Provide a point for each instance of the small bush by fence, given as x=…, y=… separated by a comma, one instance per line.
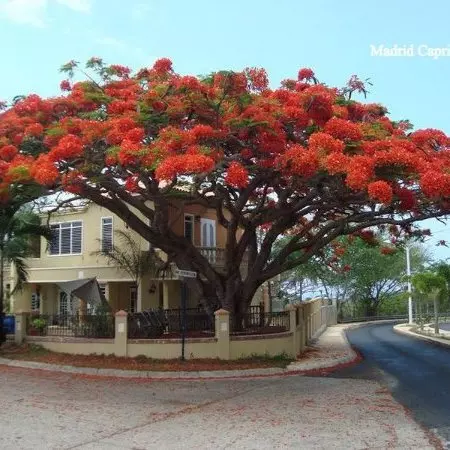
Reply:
x=86, y=326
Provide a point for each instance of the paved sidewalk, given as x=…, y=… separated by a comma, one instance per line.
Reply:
x=331, y=350
x=426, y=335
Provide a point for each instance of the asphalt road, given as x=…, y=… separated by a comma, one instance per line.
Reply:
x=416, y=372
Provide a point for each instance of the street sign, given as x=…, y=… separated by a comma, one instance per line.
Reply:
x=185, y=273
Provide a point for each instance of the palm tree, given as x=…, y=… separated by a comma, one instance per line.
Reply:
x=18, y=227
x=130, y=257
x=431, y=285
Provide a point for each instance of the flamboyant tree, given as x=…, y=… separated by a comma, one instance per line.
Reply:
x=303, y=160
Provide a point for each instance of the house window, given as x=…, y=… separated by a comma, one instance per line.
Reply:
x=133, y=299
x=189, y=227
x=35, y=302
x=107, y=234
x=66, y=238
x=102, y=288
x=65, y=304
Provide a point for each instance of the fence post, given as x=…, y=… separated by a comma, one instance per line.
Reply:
x=20, y=332
x=293, y=329
x=223, y=333
x=121, y=333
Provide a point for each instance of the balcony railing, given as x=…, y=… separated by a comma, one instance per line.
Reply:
x=216, y=255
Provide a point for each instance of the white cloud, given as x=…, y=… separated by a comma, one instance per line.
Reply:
x=34, y=12
x=77, y=5
x=27, y=12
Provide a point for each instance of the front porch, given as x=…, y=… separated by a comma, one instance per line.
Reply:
x=47, y=298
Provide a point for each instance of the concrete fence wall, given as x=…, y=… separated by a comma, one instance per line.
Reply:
x=306, y=322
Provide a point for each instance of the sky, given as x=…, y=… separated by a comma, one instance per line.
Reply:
x=200, y=36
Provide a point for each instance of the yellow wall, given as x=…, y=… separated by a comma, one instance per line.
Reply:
x=49, y=268
x=266, y=345
x=74, y=347
x=160, y=349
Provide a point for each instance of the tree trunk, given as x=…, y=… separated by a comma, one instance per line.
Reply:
x=371, y=308
x=237, y=301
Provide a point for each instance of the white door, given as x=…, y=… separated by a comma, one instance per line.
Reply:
x=208, y=238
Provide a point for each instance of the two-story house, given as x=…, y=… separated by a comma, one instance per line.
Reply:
x=73, y=254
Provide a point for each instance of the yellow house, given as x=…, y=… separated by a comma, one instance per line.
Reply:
x=80, y=233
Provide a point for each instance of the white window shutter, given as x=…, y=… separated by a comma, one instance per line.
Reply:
x=107, y=234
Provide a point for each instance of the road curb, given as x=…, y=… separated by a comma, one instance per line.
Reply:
x=181, y=376
x=432, y=340
x=308, y=368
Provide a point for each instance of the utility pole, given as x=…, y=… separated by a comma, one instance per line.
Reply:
x=408, y=273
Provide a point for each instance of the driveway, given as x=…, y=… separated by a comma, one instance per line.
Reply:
x=416, y=372
x=44, y=410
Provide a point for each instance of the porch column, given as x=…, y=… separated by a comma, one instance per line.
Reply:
x=21, y=327
x=107, y=291
x=139, y=297
x=166, y=294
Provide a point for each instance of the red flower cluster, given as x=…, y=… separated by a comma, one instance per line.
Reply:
x=237, y=175
x=380, y=191
x=257, y=78
x=300, y=161
x=173, y=166
x=65, y=85
x=68, y=147
x=435, y=184
x=323, y=142
x=162, y=66
x=343, y=129
x=44, y=170
x=305, y=74
x=8, y=152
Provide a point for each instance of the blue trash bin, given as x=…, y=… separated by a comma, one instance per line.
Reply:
x=9, y=324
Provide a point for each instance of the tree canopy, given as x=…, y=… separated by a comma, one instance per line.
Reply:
x=304, y=160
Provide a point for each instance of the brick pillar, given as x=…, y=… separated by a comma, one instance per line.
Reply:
x=21, y=327
x=121, y=334
x=293, y=329
x=223, y=333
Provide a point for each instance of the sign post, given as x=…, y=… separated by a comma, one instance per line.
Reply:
x=183, y=274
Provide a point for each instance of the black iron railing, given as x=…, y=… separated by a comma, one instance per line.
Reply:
x=146, y=324
x=372, y=318
x=196, y=320
x=260, y=322
x=156, y=323
x=79, y=325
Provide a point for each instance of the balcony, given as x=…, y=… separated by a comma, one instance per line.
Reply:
x=215, y=256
